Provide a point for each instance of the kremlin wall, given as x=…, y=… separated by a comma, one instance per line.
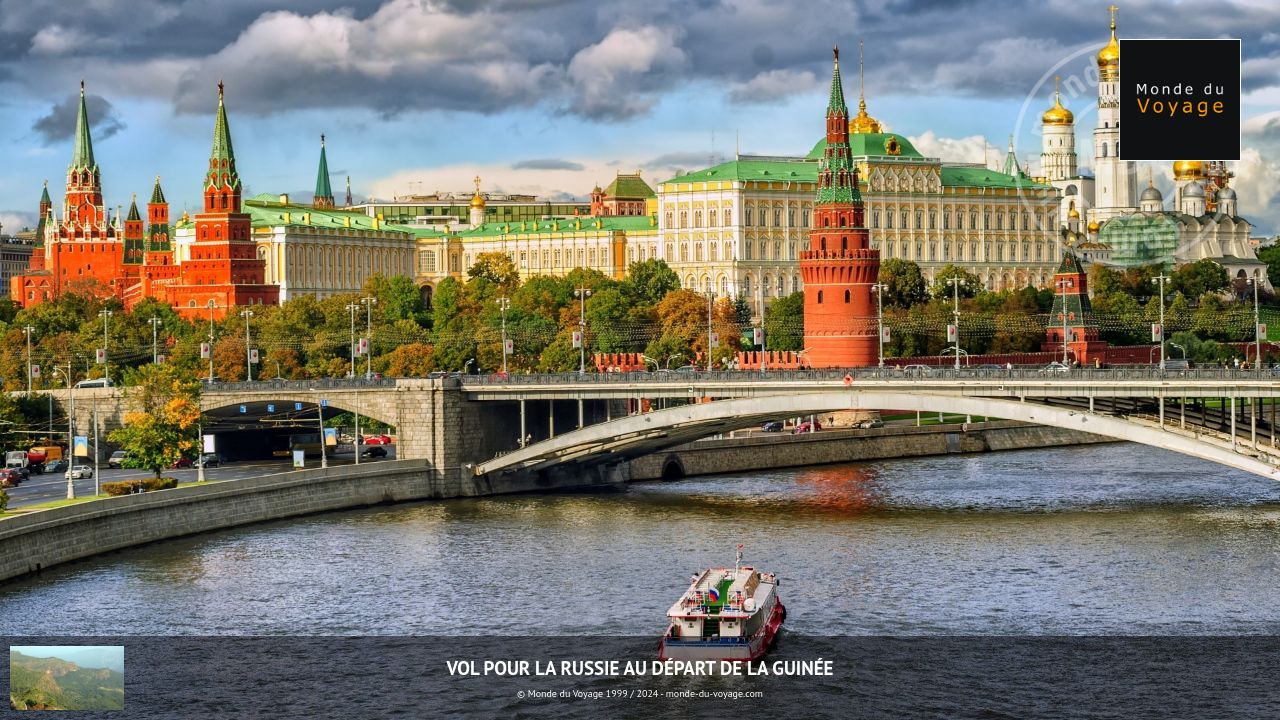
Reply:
x=756, y=227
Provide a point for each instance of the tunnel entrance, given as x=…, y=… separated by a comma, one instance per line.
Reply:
x=672, y=468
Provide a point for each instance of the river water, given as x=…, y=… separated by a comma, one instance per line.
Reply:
x=1114, y=539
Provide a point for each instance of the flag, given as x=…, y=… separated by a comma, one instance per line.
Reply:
x=714, y=594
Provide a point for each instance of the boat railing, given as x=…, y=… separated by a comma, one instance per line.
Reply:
x=714, y=640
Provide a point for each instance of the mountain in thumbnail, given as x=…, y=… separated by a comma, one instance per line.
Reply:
x=51, y=683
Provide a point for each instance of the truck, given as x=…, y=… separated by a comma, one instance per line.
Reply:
x=38, y=456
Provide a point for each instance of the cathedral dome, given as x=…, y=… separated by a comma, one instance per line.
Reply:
x=1226, y=193
x=1109, y=55
x=862, y=123
x=1193, y=189
x=1152, y=194
x=1188, y=169
x=1093, y=226
x=1058, y=114
x=1074, y=214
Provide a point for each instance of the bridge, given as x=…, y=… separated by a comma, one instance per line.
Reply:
x=570, y=424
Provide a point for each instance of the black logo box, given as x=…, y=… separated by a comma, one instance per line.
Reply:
x=1188, y=65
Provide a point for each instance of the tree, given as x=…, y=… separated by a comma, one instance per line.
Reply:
x=784, y=323
x=905, y=284
x=1200, y=277
x=649, y=281
x=1271, y=256
x=160, y=433
x=498, y=268
x=409, y=360
x=970, y=287
x=398, y=299
x=1105, y=280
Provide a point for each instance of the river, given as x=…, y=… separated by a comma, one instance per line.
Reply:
x=1096, y=540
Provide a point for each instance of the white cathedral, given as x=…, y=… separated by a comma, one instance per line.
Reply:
x=1105, y=220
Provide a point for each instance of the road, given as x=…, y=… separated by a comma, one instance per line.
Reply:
x=43, y=488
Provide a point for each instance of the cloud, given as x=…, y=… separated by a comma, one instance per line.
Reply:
x=11, y=221
x=971, y=149
x=1266, y=125
x=611, y=77
x=773, y=86
x=677, y=160
x=60, y=123
x=1257, y=183
x=547, y=164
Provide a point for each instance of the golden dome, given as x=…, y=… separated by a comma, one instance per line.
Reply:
x=1109, y=56
x=1074, y=214
x=1188, y=169
x=1093, y=226
x=862, y=123
x=477, y=200
x=1058, y=114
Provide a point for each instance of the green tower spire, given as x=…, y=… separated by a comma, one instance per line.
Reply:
x=157, y=195
x=82, y=157
x=133, y=209
x=323, y=197
x=44, y=195
x=222, y=149
x=836, y=102
x=836, y=178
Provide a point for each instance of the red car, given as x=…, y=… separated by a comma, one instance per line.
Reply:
x=377, y=440
x=182, y=463
x=10, y=477
x=804, y=427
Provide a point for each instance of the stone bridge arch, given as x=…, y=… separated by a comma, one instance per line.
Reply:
x=377, y=404
x=638, y=435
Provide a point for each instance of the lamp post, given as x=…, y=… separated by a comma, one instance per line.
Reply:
x=106, y=367
x=1257, y=329
x=956, y=284
x=880, y=288
x=1161, y=279
x=352, y=308
x=503, y=304
x=248, y=354
x=155, y=344
x=1180, y=349
x=27, y=331
x=212, y=305
x=71, y=429
x=711, y=335
x=368, y=303
x=582, y=294
x=1062, y=286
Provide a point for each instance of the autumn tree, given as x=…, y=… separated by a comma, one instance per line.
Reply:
x=161, y=431
x=497, y=268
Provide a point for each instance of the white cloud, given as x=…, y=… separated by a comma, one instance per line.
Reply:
x=961, y=150
x=544, y=183
x=610, y=77
x=773, y=86
x=1257, y=184
x=12, y=221
x=57, y=40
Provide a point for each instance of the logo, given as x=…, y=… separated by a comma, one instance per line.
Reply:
x=1179, y=97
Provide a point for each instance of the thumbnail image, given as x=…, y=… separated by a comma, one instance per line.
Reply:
x=66, y=677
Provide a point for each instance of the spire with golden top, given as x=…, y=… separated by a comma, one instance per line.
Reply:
x=477, y=200
x=862, y=122
x=1109, y=56
x=1058, y=114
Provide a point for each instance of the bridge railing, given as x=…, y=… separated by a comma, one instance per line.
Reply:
x=300, y=385
x=855, y=375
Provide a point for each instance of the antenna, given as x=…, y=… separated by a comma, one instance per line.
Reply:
x=737, y=149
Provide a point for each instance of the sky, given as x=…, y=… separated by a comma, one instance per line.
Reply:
x=85, y=656
x=550, y=97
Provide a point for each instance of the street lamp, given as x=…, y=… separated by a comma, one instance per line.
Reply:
x=1182, y=349
x=71, y=429
x=1161, y=279
x=1063, y=285
x=155, y=345
x=711, y=335
x=880, y=288
x=27, y=331
x=1257, y=328
x=352, y=308
x=503, y=304
x=213, y=304
x=368, y=303
x=106, y=368
x=467, y=365
x=956, y=283
x=248, y=354
x=582, y=294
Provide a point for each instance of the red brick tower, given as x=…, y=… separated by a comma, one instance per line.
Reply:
x=223, y=266
x=134, y=232
x=46, y=207
x=839, y=267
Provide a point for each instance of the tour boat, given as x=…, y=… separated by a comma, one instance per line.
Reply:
x=728, y=613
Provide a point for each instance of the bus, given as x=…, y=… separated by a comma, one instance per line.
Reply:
x=309, y=443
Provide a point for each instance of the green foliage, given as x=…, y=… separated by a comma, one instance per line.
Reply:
x=498, y=269
x=1271, y=256
x=399, y=299
x=1200, y=277
x=56, y=684
x=649, y=281
x=4, y=500
x=163, y=432
x=784, y=323
x=1104, y=280
x=970, y=286
x=1199, y=350
x=130, y=487
x=905, y=285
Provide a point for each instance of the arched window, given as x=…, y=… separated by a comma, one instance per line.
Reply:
x=933, y=219
x=847, y=295
x=875, y=219
x=684, y=218
x=919, y=219
x=697, y=218
x=904, y=219
x=746, y=218
x=711, y=218
x=888, y=220
x=819, y=297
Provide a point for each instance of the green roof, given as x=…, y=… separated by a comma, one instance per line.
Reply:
x=870, y=145
x=133, y=210
x=266, y=211
x=222, y=149
x=983, y=177
x=44, y=194
x=629, y=186
x=322, y=176
x=588, y=223
x=82, y=156
x=758, y=170
x=835, y=103
x=157, y=195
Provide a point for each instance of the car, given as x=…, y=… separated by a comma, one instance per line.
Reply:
x=79, y=472
x=1177, y=364
x=181, y=463
x=871, y=424
x=805, y=427
x=212, y=459
x=374, y=451
x=917, y=370
x=688, y=369
x=95, y=383
x=10, y=477
x=378, y=439
x=117, y=459
x=55, y=466
x=772, y=426
x=1055, y=367
x=990, y=366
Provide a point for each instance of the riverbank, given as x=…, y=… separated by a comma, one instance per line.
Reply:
x=761, y=451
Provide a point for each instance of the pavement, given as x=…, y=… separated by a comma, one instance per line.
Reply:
x=44, y=488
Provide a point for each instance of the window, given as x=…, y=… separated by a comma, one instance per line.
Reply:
x=728, y=216
x=1026, y=221
x=724, y=286
x=711, y=218
x=973, y=220
x=791, y=250
x=846, y=297
x=777, y=217
x=777, y=250
x=875, y=219
x=986, y=220
x=933, y=219
x=697, y=218
x=712, y=252
x=973, y=252
x=946, y=219
x=919, y=219
x=697, y=252
x=999, y=221
x=684, y=252
x=791, y=217
x=746, y=218
x=426, y=261
x=746, y=250
x=684, y=218
x=904, y=219
x=782, y=286
x=888, y=220
x=667, y=223
x=805, y=215
x=764, y=213
x=819, y=297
